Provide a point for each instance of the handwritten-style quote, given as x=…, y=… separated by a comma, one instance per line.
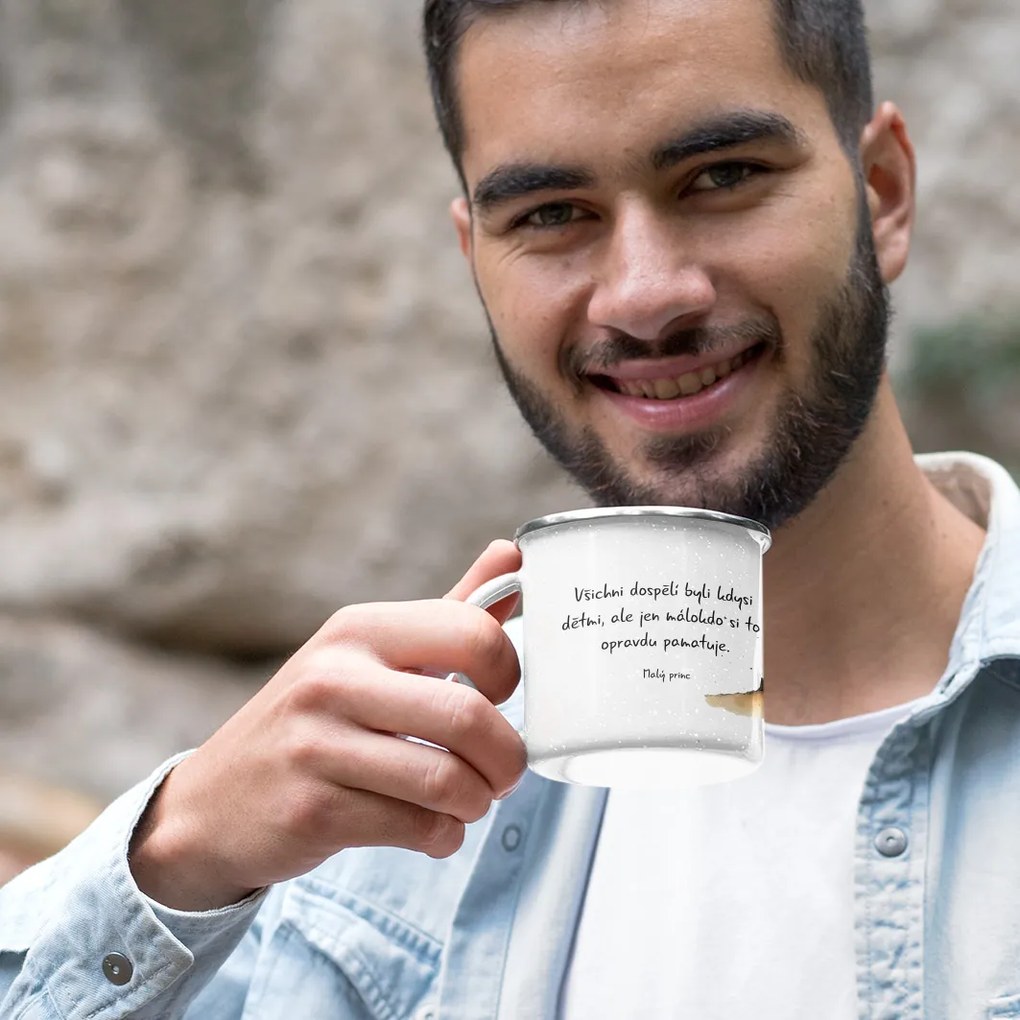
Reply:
x=670, y=615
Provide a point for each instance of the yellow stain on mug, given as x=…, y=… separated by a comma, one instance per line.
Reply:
x=739, y=704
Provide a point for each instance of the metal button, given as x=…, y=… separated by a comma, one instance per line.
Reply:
x=426, y=1013
x=118, y=969
x=512, y=836
x=891, y=842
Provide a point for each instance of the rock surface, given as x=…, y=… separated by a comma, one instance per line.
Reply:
x=95, y=711
x=245, y=379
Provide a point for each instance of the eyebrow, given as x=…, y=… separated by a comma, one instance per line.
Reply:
x=515, y=180
x=727, y=132
x=511, y=181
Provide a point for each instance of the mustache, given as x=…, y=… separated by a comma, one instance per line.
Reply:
x=602, y=355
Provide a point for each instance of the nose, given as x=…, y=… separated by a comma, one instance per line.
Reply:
x=646, y=285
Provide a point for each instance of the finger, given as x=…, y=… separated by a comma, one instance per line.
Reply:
x=416, y=773
x=363, y=818
x=500, y=557
x=439, y=634
x=452, y=716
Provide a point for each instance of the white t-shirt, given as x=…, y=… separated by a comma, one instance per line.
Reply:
x=735, y=900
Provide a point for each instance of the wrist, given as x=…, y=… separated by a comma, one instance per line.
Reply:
x=169, y=865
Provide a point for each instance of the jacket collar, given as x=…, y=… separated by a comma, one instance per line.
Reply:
x=989, y=626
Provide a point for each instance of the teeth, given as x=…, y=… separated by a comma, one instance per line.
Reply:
x=689, y=384
x=685, y=385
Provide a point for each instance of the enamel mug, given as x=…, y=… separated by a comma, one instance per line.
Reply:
x=642, y=648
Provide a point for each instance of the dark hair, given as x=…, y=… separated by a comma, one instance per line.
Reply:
x=823, y=42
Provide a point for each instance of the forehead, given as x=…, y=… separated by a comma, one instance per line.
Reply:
x=561, y=81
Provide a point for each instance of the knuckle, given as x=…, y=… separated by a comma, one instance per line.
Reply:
x=449, y=786
x=454, y=839
x=304, y=754
x=348, y=623
x=315, y=687
x=467, y=712
x=330, y=679
x=442, y=783
x=448, y=839
x=316, y=690
x=429, y=828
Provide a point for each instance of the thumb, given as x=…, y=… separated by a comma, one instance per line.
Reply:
x=499, y=557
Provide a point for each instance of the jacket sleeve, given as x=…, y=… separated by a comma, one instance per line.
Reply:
x=80, y=941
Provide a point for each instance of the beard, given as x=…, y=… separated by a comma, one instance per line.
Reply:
x=812, y=433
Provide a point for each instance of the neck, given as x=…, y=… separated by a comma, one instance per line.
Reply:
x=863, y=589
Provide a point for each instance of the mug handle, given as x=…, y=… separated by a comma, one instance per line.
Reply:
x=484, y=596
x=492, y=591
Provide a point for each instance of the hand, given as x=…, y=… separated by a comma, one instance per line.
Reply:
x=316, y=761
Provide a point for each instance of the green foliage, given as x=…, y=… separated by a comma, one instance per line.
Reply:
x=976, y=357
x=962, y=387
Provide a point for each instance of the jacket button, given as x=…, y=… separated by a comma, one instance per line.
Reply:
x=117, y=969
x=426, y=1013
x=891, y=842
x=511, y=838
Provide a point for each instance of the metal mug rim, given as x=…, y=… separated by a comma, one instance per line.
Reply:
x=596, y=513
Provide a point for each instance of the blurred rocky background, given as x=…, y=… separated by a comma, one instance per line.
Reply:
x=243, y=378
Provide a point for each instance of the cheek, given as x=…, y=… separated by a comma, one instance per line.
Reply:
x=533, y=303
x=794, y=266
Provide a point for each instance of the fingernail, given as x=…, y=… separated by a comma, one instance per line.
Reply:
x=513, y=789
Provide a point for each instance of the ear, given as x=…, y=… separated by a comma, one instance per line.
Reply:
x=890, y=177
x=460, y=213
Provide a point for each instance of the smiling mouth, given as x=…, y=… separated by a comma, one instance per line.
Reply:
x=687, y=385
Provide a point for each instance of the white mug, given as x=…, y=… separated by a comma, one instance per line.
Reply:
x=642, y=658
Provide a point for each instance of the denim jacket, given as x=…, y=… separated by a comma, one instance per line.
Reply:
x=384, y=934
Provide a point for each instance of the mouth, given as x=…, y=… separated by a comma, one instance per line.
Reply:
x=665, y=384
x=684, y=395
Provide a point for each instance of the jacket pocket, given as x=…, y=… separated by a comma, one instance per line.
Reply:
x=334, y=955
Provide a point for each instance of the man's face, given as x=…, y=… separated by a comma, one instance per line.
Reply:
x=672, y=249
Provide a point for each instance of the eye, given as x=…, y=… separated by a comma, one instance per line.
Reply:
x=552, y=214
x=724, y=176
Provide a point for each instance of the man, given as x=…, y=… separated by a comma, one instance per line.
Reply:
x=681, y=216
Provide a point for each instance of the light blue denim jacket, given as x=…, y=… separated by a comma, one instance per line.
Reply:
x=485, y=935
